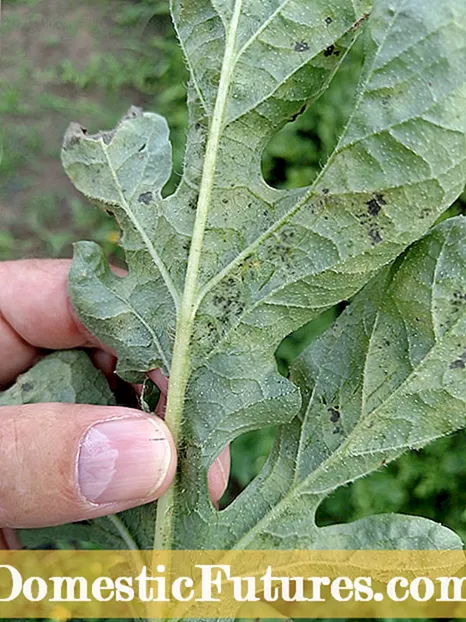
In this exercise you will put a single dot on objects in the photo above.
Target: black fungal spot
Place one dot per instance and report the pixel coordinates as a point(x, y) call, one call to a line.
point(27, 386)
point(375, 235)
point(459, 298)
point(329, 51)
point(460, 362)
point(337, 430)
point(325, 190)
point(301, 46)
point(375, 204)
point(142, 148)
point(328, 20)
point(145, 197)
point(192, 204)
point(334, 414)
point(287, 236)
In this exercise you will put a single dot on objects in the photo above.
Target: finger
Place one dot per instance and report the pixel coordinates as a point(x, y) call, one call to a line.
point(106, 362)
point(218, 475)
point(9, 540)
point(157, 376)
point(36, 313)
point(68, 462)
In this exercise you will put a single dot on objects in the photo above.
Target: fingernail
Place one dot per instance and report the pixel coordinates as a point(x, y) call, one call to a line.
point(123, 460)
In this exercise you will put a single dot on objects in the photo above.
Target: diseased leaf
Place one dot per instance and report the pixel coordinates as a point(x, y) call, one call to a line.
point(124, 171)
point(221, 271)
point(67, 376)
point(383, 380)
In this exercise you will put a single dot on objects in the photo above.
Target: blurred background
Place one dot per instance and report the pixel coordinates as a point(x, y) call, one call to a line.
point(88, 61)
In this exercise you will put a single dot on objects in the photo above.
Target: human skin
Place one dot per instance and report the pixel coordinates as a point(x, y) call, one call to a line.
point(61, 463)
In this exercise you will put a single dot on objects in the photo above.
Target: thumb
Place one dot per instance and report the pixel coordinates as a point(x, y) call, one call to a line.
point(68, 462)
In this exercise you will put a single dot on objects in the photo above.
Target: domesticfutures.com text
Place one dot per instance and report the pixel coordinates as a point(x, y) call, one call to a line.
point(216, 580)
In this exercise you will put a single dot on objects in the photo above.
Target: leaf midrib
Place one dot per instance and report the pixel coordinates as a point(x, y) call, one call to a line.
point(181, 351)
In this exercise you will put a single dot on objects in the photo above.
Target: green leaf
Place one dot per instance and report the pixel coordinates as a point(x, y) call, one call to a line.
point(124, 171)
point(383, 380)
point(67, 376)
point(221, 271)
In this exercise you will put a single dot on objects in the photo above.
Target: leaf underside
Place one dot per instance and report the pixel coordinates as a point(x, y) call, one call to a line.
point(226, 267)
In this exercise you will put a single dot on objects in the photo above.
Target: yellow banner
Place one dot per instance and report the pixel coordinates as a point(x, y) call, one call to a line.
point(232, 584)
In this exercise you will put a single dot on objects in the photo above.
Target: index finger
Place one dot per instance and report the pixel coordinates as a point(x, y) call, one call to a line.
point(36, 313)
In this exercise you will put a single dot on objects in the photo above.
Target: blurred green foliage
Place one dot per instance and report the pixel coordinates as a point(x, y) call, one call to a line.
point(89, 63)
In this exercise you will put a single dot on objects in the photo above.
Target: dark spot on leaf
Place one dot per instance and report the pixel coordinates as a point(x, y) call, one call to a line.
point(142, 147)
point(459, 298)
point(375, 204)
point(329, 51)
point(328, 20)
point(460, 363)
point(337, 430)
point(27, 386)
point(375, 235)
point(192, 204)
point(334, 414)
point(325, 190)
point(145, 197)
point(301, 46)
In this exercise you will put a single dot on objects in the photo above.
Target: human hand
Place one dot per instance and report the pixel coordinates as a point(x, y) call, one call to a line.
point(61, 463)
